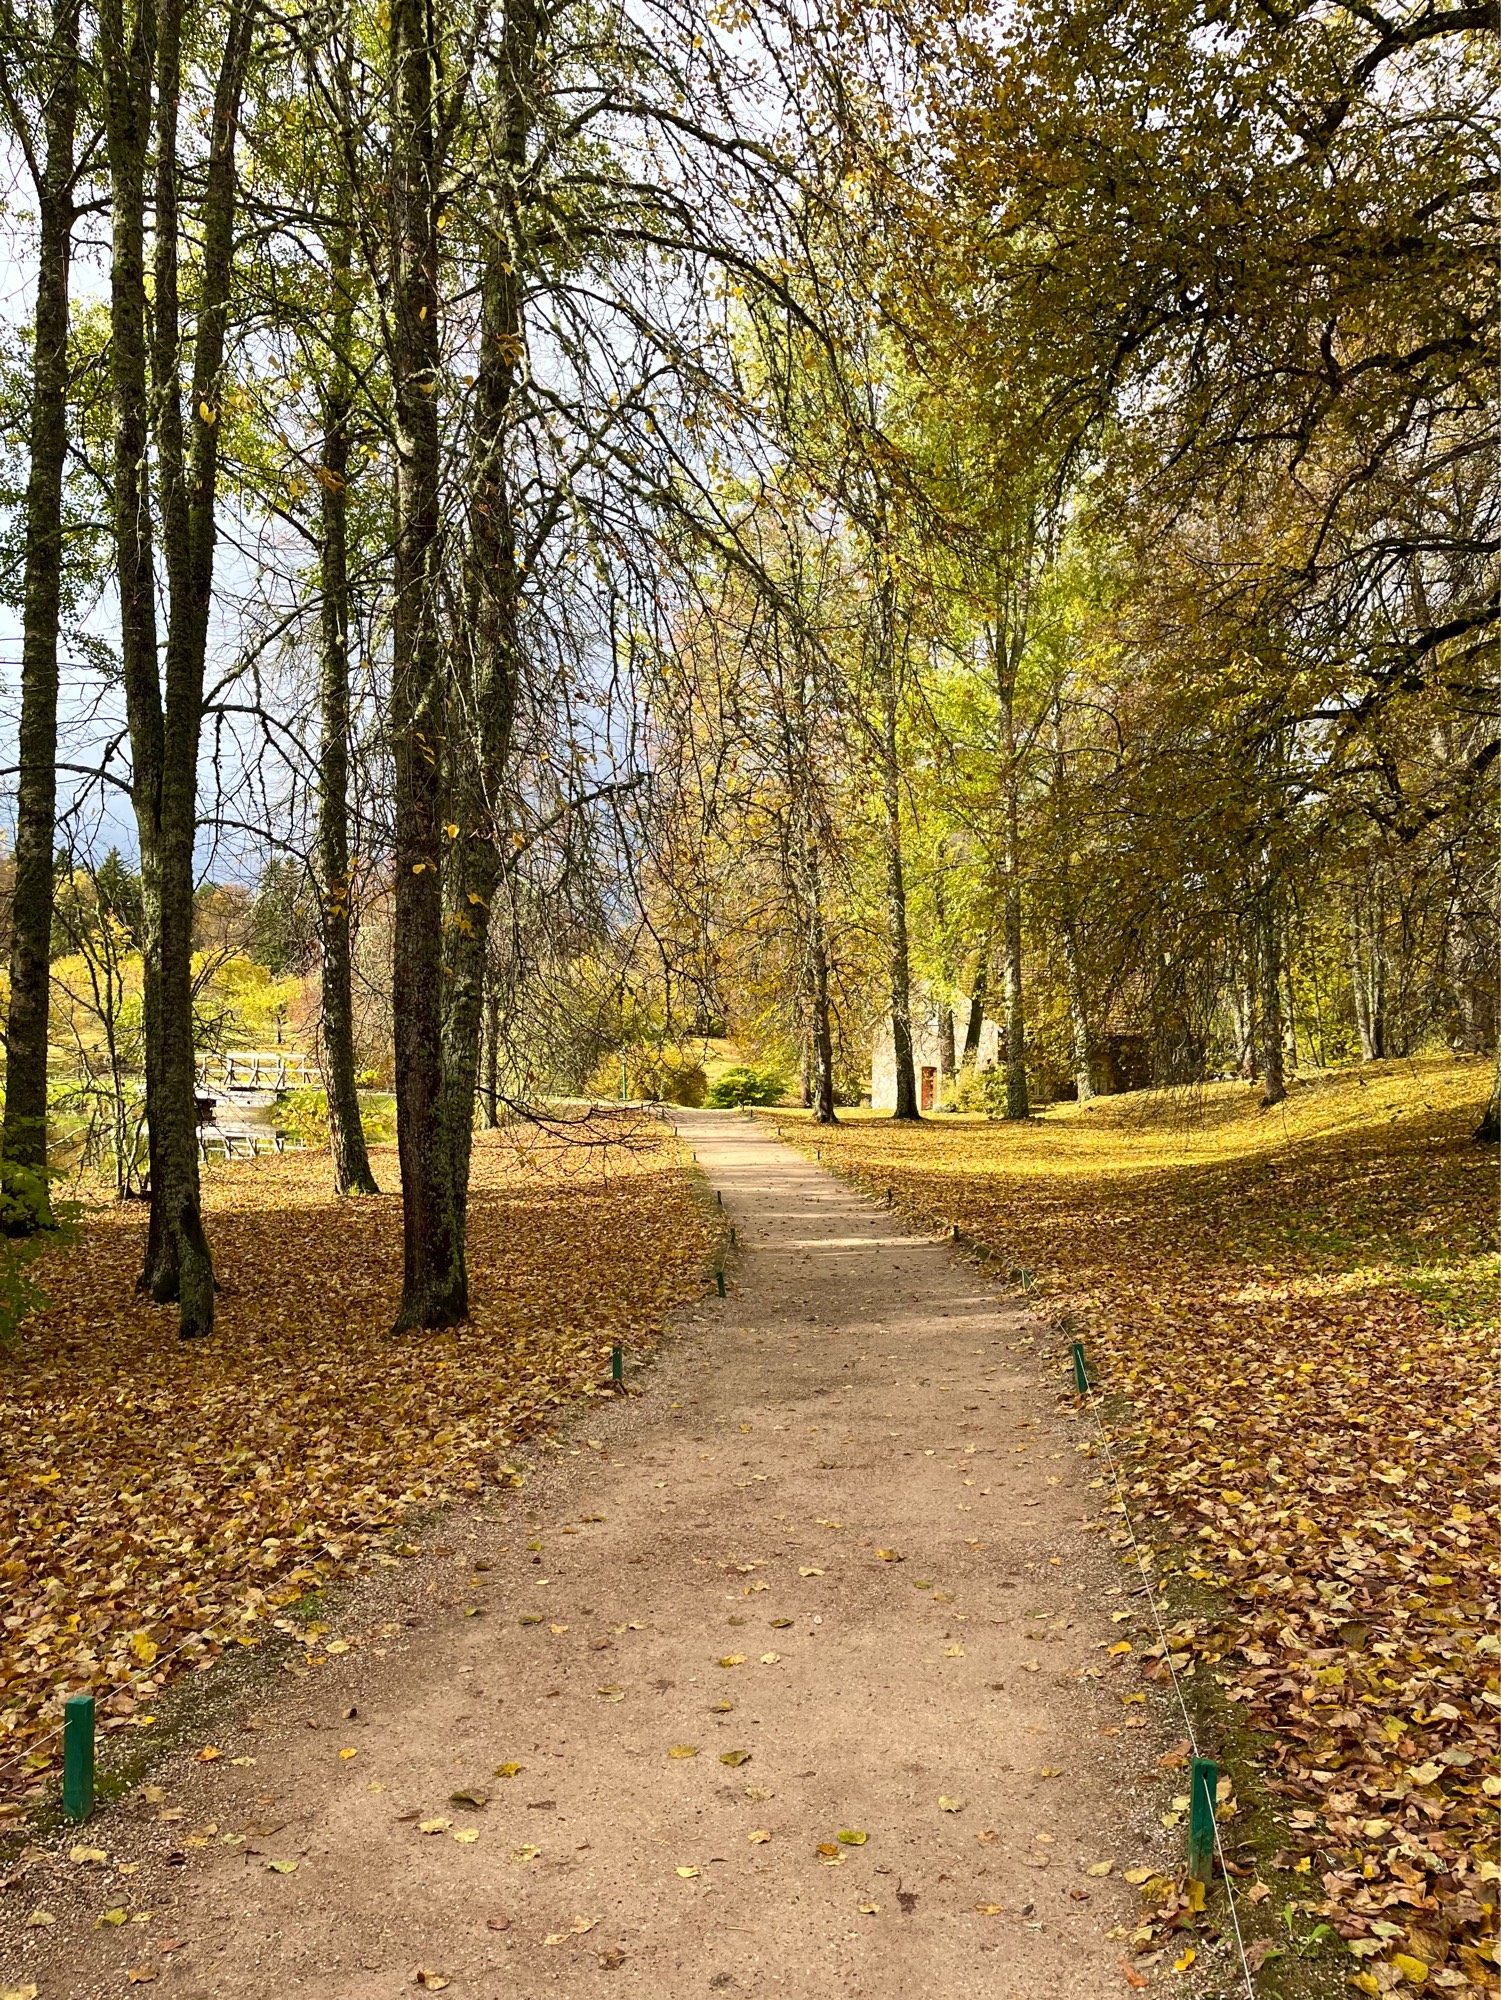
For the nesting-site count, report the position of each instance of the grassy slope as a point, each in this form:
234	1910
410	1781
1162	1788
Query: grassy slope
1291	1313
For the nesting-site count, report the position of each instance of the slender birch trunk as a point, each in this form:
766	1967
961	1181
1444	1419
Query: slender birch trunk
25	1130
899	959
351	1160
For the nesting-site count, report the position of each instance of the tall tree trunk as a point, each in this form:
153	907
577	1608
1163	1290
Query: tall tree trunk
898	950
1269	1003
490	1090
975	1026
1018	1103
25	1131
495	570
1078	1008
821	1024
164	706
351	1161
433	1293
1368	964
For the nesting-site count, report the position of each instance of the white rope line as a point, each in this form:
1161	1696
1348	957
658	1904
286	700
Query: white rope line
138	1680
1167	1654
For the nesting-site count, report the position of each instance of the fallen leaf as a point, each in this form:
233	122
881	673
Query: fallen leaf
734	1758
208	1753
1100	1868
950	1805
851	1836
282	1867
1182	1963
88	1857
434	1825
428	1980
732	1660
890	1556
467	1835
1134	1979
685	1750
687	1873
479	1800
508	1770
758	1836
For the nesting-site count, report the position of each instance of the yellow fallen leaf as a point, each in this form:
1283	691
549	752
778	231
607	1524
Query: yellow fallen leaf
870	1909
467	1835
282	1867
1413	1970
732	1660
1136	1876
1100	1868
953	1653
346	1754
140	1975
734	1758
508	1770
88	1856
1051	1771
115	1917
144	1647
851	1836
39	1919
434	1825
208	1753
810	1572
428	1980
525	1853
770	1659
1121	1646
758	1836
1196	1896
990	1909
687	1873
890	1556
27	1992
950	1805
683	1750
1186	1960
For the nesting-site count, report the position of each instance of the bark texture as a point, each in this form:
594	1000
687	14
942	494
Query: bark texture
351	1159
25	1131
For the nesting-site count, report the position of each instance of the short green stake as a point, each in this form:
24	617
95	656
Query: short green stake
732	1235
617	1366
719	1281
78	1756
1203	1784
1081	1373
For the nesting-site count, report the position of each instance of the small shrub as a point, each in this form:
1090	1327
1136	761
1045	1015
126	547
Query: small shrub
744	1085
24	1207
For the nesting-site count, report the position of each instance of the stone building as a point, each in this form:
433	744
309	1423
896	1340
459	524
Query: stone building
932	1057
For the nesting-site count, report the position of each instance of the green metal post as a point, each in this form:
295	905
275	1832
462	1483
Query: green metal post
1203	1783
1081	1373
617	1366
719	1281
78	1756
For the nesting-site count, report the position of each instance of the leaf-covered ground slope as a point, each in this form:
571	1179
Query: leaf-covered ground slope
1299	1306
162	1502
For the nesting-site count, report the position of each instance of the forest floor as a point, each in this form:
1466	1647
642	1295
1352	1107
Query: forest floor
798	1670
1291	1319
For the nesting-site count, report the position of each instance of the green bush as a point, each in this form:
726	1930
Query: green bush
744	1085
24	1207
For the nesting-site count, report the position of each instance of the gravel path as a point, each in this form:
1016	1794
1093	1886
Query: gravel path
823	1578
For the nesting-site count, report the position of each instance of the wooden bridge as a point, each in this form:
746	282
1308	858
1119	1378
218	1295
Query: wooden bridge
258	1069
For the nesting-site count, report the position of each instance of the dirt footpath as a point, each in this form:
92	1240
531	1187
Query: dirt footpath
769	1682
